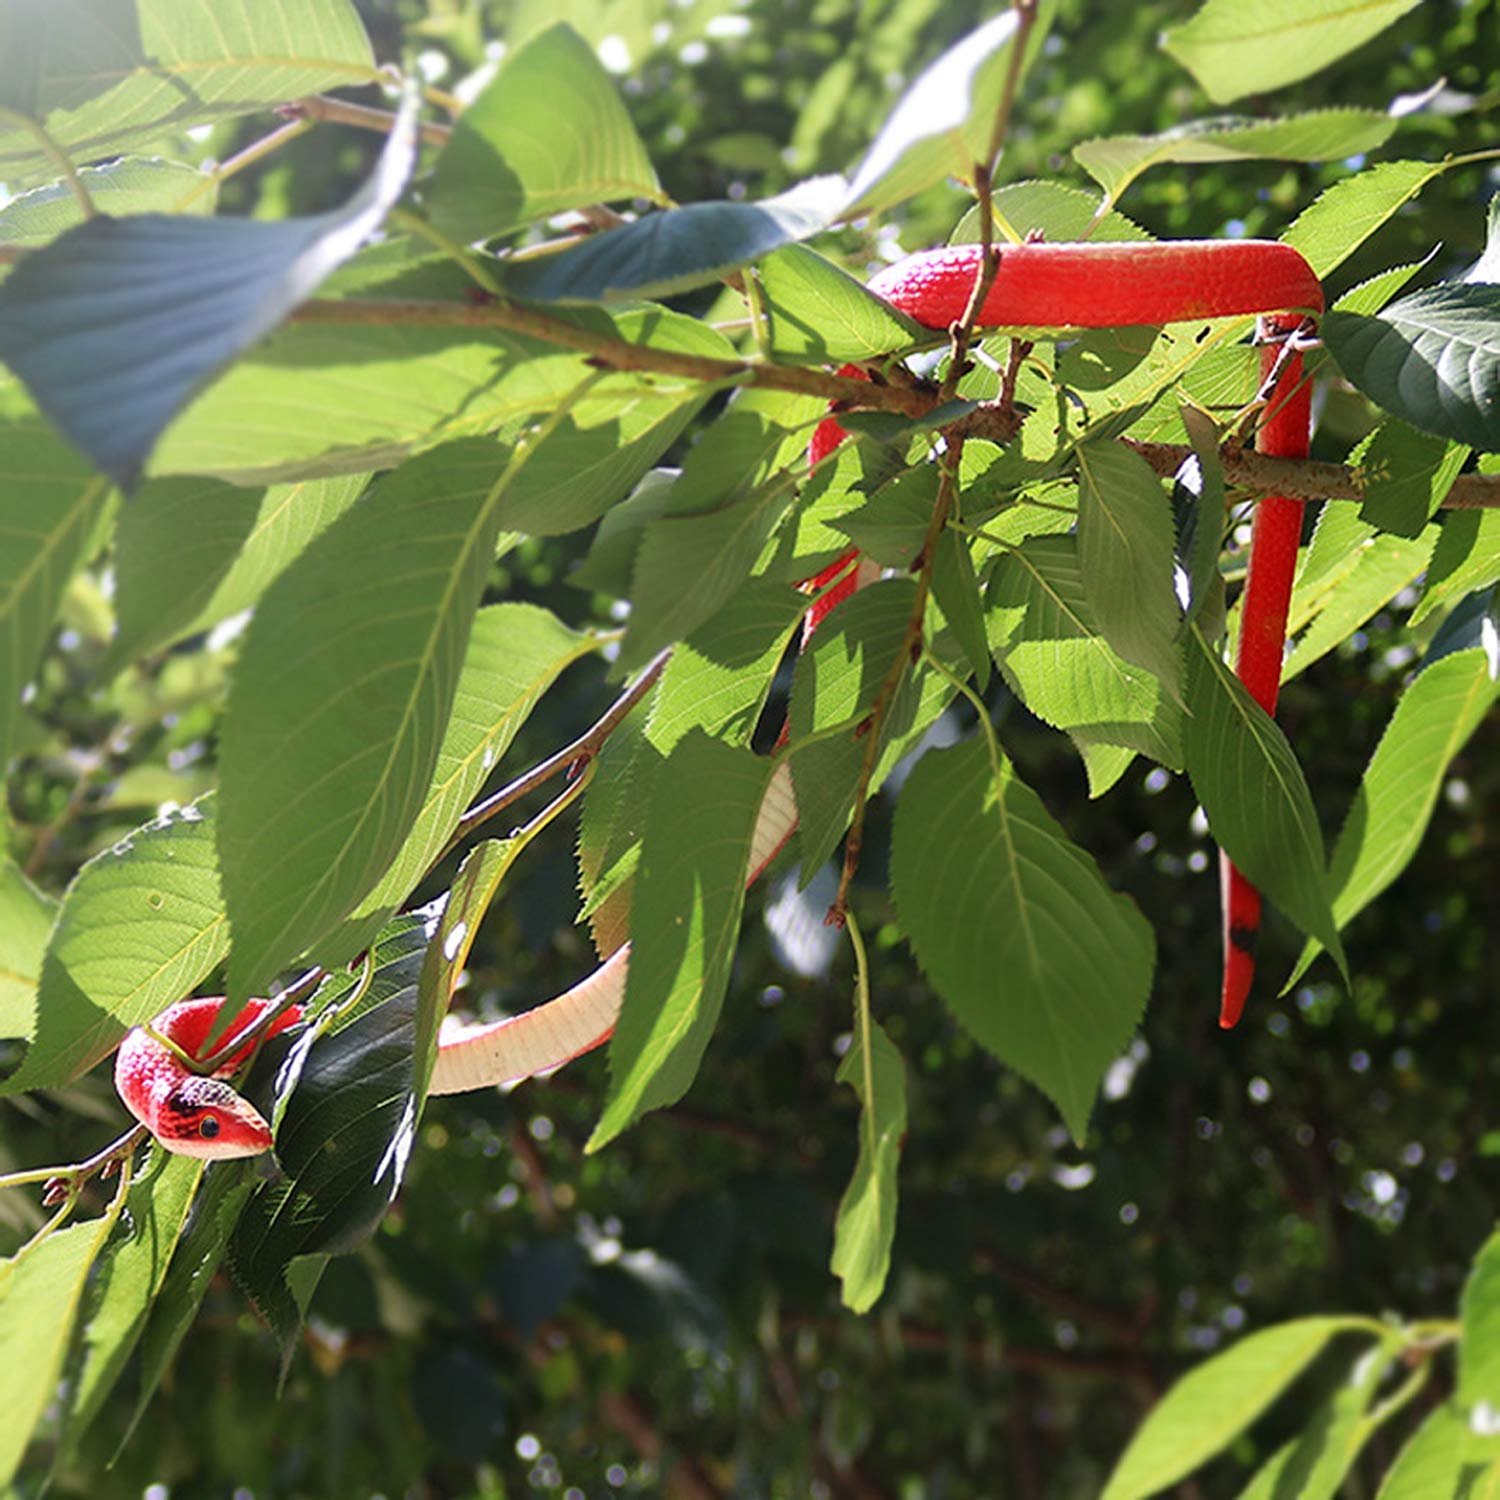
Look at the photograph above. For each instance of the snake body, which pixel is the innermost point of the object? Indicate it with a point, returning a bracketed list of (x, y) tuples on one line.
[(1045, 286)]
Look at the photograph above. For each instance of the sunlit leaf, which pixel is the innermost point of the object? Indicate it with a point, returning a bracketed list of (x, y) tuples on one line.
[(1046, 966), (547, 133), (820, 313), (341, 698), (141, 924), (52, 503), (942, 125), (26, 918), (689, 892), (1445, 1458), (1342, 218), (1479, 1344), (1125, 550), (866, 1223), (39, 1295), (1323, 135), (132, 185), (130, 1279), (515, 653), (1042, 630), (1213, 1403), (192, 552), (117, 324), (1233, 49), (1466, 559), (105, 78)]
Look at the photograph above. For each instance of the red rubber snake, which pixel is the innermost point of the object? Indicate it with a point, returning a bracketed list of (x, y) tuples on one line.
[(1036, 286)]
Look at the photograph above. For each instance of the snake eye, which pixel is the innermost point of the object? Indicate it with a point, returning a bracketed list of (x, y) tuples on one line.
[(208, 1127)]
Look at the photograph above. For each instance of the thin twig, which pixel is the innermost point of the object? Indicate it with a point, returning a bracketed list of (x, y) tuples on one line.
[(911, 648), (583, 749), (79, 1172), (612, 353), (321, 107), (1259, 473)]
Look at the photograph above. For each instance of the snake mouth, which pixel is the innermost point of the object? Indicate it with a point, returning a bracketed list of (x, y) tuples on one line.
[(205, 1118)]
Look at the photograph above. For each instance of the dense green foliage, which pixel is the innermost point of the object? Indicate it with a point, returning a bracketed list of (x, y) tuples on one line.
[(840, 1249)]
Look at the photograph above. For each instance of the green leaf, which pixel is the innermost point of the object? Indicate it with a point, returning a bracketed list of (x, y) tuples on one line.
[(819, 313), (1479, 1312), (1432, 359), (1198, 509), (718, 678), (866, 1224), (546, 134), (26, 918), (1466, 559), (326, 766), (1052, 210), (891, 525), (1255, 796), (734, 488), (1114, 162), (189, 1275), (1487, 267), (1407, 474), (40, 1290), (105, 79), (955, 588), (1046, 966), (128, 1283), (346, 1118), (942, 124), (131, 185), (837, 681), (141, 924), (318, 399), (676, 249), (515, 653), (1126, 551), (52, 505), (192, 552), (1042, 630), (1382, 565), (598, 454), (689, 892), (1212, 1404), (1373, 294), (117, 324), (474, 888), (1314, 1464), (1234, 50), (1445, 1459), (610, 561), (1341, 219), (609, 829)]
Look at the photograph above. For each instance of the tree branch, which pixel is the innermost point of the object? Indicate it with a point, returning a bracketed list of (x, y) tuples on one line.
[(1259, 473)]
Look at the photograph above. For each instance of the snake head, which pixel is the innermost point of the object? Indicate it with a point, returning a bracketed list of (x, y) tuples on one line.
[(204, 1117)]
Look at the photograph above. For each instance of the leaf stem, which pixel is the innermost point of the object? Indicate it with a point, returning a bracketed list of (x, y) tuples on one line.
[(862, 1025)]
